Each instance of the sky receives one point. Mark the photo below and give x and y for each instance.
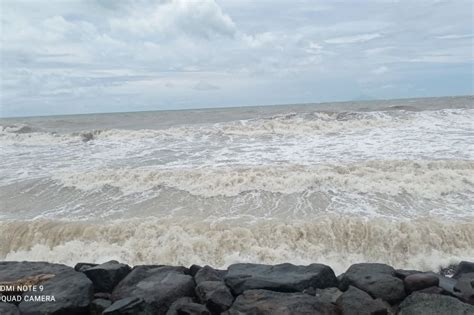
(67, 57)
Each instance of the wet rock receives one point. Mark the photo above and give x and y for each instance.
(103, 295)
(376, 279)
(8, 309)
(72, 291)
(432, 290)
(310, 291)
(128, 306)
(158, 286)
(208, 273)
(107, 275)
(282, 278)
(329, 295)
(402, 273)
(465, 288)
(264, 302)
(186, 306)
(419, 281)
(357, 302)
(194, 269)
(447, 284)
(422, 303)
(99, 305)
(462, 268)
(83, 266)
(215, 294)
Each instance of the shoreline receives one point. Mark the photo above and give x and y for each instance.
(243, 288)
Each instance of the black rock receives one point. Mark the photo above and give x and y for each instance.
(72, 291)
(402, 273)
(462, 268)
(264, 302)
(447, 284)
(215, 294)
(357, 302)
(128, 306)
(8, 309)
(99, 305)
(103, 295)
(422, 303)
(107, 275)
(158, 286)
(208, 273)
(186, 306)
(328, 295)
(83, 266)
(419, 281)
(281, 278)
(465, 287)
(310, 291)
(194, 269)
(432, 290)
(378, 280)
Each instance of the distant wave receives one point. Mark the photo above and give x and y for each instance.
(292, 124)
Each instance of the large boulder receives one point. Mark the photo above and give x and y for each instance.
(158, 286)
(8, 309)
(83, 266)
(378, 280)
(107, 275)
(99, 305)
(420, 281)
(264, 302)
(71, 290)
(128, 306)
(281, 278)
(465, 288)
(329, 295)
(403, 273)
(357, 302)
(462, 268)
(208, 273)
(215, 294)
(434, 304)
(186, 306)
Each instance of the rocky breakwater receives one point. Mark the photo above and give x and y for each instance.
(113, 288)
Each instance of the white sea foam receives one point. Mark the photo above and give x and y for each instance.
(421, 178)
(288, 124)
(338, 241)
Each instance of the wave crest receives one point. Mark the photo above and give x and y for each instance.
(336, 240)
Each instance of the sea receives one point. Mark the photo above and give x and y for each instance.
(388, 181)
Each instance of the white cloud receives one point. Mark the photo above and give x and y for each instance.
(155, 52)
(360, 38)
(167, 19)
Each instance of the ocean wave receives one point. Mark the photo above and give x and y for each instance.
(290, 124)
(336, 240)
(420, 178)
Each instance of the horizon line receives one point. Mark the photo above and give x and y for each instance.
(240, 106)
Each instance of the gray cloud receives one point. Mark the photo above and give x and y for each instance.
(56, 55)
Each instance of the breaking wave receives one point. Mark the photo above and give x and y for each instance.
(336, 240)
(420, 178)
(292, 124)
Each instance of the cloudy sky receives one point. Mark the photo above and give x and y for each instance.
(61, 57)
